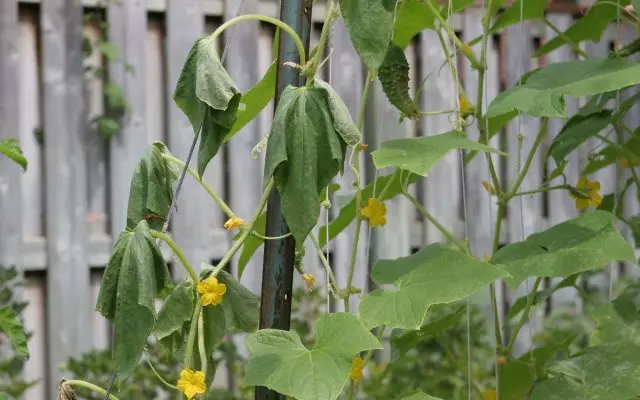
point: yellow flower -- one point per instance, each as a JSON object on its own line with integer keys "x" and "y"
{"x": 629, "y": 164}
{"x": 466, "y": 108}
{"x": 211, "y": 291}
{"x": 191, "y": 383}
{"x": 489, "y": 188}
{"x": 356, "y": 369}
{"x": 490, "y": 395}
{"x": 362, "y": 146}
{"x": 593, "y": 192}
{"x": 375, "y": 211}
{"x": 310, "y": 280}
{"x": 233, "y": 223}
{"x": 501, "y": 360}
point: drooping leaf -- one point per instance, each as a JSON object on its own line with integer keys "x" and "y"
{"x": 304, "y": 153}
{"x": 413, "y": 17}
{"x": 434, "y": 275}
{"x": 370, "y": 24}
{"x": 394, "y": 79}
{"x": 608, "y": 372}
{"x": 518, "y": 11}
{"x": 590, "y": 27}
{"x": 151, "y": 190}
{"x": 348, "y": 211}
{"x": 208, "y": 97}
{"x": 136, "y": 273}
{"x": 584, "y": 243}
{"x": 543, "y": 92}
{"x": 420, "y": 154}
{"x": 518, "y": 376}
{"x": 176, "y": 310}
{"x": 576, "y": 131}
{"x": 11, "y": 148}
{"x": 278, "y": 359}
{"x": 342, "y": 121}
{"x": 418, "y": 396}
{"x": 11, "y": 326}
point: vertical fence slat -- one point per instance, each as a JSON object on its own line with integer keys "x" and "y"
{"x": 68, "y": 301}
{"x": 347, "y": 79}
{"x": 127, "y": 22}
{"x": 35, "y": 317}
{"x": 191, "y": 223}
{"x": 244, "y": 174}
{"x": 442, "y": 187}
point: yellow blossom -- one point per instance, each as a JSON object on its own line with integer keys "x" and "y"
{"x": 211, "y": 291}
{"x": 310, "y": 280}
{"x": 356, "y": 369}
{"x": 490, "y": 395}
{"x": 629, "y": 164}
{"x": 501, "y": 360}
{"x": 362, "y": 146}
{"x": 489, "y": 188}
{"x": 375, "y": 211}
{"x": 191, "y": 383}
{"x": 466, "y": 108}
{"x": 233, "y": 223}
{"x": 592, "y": 188}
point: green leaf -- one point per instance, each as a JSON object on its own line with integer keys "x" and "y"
{"x": 459, "y": 5}
{"x": 342, "y": 121}
{"x": 518, "y": 376}
{"x": 251, "y": 243}
{"x": 543, "y": 92}
{"x": 136, "y": 273}
{"x": 11, "y": 148}
{"x": 116, "y": 100}
{"x": 348, "y": 211}
{"x": 304, "y": 153}
{"x": 608, "y": 203}
{"x": 584, "y": 243}
{"x": 208, "y": 97}
{"x": 394, "y": 79}
{"x": 108, "y": 49}
{"x": 590, "y": 27}
{"x": 434, "y": 275}
{"x": 11, "y": 326}
{"x": 370, "y": 24}
{"x": 541, "y": 296}
{"x": 176, "y": 310}
{"x": 609, "y": 372}
{"x": 278, "y": 359}
{"x": 413, "y": 17}
{"x": 107, "y": 127}
{"x": 619, "y": 319}
{"x": 576, "y": 131}
{"x": 634, "y": 224}
{"x": 519, "y": 10}
{"x": 418, "y": 396}
{"x": 420, "y": 154}
{"x": 151, "y": 190}
{"x": 494, "y": 126}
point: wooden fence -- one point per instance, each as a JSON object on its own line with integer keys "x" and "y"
{"x": 57, "y": 220}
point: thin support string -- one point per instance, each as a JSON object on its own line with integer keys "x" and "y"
{"x": 617, "y": 107}
{"x": 326, "y": 215}
{"x": 165, "y": 226}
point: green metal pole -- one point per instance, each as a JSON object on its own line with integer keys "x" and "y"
{"x": 278, "y": 267}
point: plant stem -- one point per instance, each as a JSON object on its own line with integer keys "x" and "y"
{"x": 191, "y": 338}
{"x": 564, "y": 37}
{"x": 369, "y": 354}
{"x": 178, "y": 252}
{"x": 525, "y": 315}
{"x": 527, "y": 164}
{"x": 160, "y": 378}
{"x": 253, "y": 17}
{"x": 256, "y": 234}
{"x": 492, "y": 287}
{"x": 541, "y": 190}
{"x": 452, "y": 35}
{"x": 225, "y": 208}
{"x": 326, "y": 28}
{"x": 325, "y": 263}
{"x": 90, "y": 386}
{"x": 201, "y": 348}
{"x": 434, "y": 221}
{"x": 439, "y": 112}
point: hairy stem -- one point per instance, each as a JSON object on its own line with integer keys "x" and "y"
{"x": 527, "y": 164}
{"x": 191, "y": 338}
{"x": 541, "y": 190}
{"x": 201, "y": 348}
{"x": 525, "y": 315}
{"x": 178, "y": 252}
{"x": 160, "y": 378}
{"x": 90, "y": 386}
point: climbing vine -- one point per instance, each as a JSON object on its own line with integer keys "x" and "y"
{"x": 312, "y": 139}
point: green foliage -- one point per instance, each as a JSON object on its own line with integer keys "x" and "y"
{"x": 519, "y": 10}
{"x": 419, "y": 396}
{"x": 319, "y": 373}
{"x": 434, "y": 275}
{"x": 420, "y": 154}
{"x": 342, "y": 122}
{"x": 208, "y": 97}
{"x": 587, "y": 242}
{"x": 176, "y": 311}
{"x": 11, "y": 148}
{"x": 576, "y": 131}
{"x": 413, "y": 17}
{"x": 394, "y": 78}
{"x": 255, "y": 100}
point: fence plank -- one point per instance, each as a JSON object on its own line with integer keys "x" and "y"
{"x": 68, "y": 301}
{"x": 191, "y": 224}
{"x": 35, "y": 322}
{"x": 127, "y": 21}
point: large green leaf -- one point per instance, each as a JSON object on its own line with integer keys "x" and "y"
{"x": 176, "y": 310}
{"x": 420, "y": 154}
{"x": 576, "y": 131}
{"x": 413, "y": 17}
{"x": 151, "y": 190}
{"x": 279, "y": 360}
{"x": 370, "y": 24}
{"x": 518, "y": 11}
{"x": 434, "y": 275}
{"x": 136, "y": 273}
{"x": 418, "y": 396}
{"x": 584, "y": 243}
{"x": 11, "y": 148}
{"x": 208, "y": 97}
{"x": 590, "y": 27}
{"x": 518, "y": 376}
{"x": 11, "y": 326}
{"x": 543, "y": 92}
{"x": 348, "y": 211}
{"x": 342, "y": 121}
{"x": 304, "y": 153}
{"x": 619, "y": 319}
{"x": 606, "y": 372}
